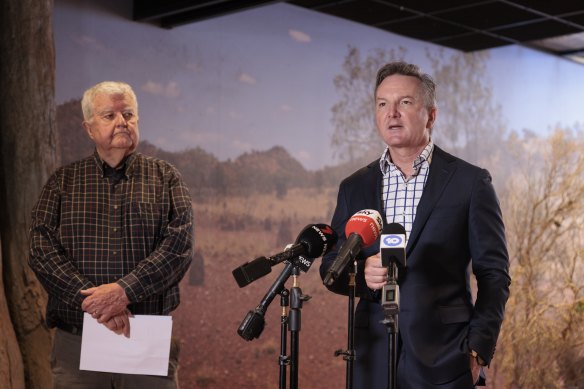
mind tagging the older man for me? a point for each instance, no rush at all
(111, 235)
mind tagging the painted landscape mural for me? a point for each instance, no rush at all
(263, 140)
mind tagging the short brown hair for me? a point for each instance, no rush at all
(407, 69)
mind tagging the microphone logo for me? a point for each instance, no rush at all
(328, 230)
(304, 262)
(393, 241)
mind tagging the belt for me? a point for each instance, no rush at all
(69, 328)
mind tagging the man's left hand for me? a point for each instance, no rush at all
(120, 324)
(476, 363)
(105, 301)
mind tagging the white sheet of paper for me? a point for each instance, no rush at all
(146, 351)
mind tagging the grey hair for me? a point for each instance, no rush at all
(106, 87)
(406, 69)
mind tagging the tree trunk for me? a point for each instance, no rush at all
(28, 154)
(11, 373)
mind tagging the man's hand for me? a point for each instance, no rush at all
(105, 301)
(476, 363)
(120, 324)
(375, 274)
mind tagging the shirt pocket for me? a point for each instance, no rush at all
(145, 221)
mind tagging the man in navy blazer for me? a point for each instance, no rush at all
(452, 219)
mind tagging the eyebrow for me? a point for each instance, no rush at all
(399, 98)
(107, 111)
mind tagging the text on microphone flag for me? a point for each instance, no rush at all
(367, 224)
(393, 241)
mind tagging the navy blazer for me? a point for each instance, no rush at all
(458, 219)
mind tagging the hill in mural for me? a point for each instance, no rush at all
(268, 171)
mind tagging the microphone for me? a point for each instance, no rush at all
(362, 230)
(393, 245)
(251, 271)
(314, 241)
(316, 248)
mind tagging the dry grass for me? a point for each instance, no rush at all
(229, 232)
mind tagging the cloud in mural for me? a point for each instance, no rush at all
(241, 145)
(247, 79)
(189, 139)
(299, 36)
(194, 67)
(197, 137)
(235, 115)
(303, 156)
(89, 41)
(171, 89)
(286, 108)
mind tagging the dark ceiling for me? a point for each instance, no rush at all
(465, 25)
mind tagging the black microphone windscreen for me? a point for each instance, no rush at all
(394, 228)
(251, 271)
(318, 239)
(393, 245)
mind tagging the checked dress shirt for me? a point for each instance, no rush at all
(93, 226)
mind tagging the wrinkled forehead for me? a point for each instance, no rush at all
(113, 102)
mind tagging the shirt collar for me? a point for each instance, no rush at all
(125, 165)
(386, 165)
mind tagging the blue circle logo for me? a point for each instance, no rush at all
(393, 240)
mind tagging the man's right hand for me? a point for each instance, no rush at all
(375, 274)
(105, 301)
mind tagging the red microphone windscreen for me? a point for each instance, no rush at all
(367, 224)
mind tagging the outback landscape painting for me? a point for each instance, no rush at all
(264, 112)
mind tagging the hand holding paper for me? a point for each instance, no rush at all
(146, 351)
(105, 301)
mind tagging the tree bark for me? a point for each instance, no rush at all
(28, 154)
(11, 370)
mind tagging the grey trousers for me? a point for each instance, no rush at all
(65, 358)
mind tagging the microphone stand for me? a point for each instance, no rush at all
(253, 324)
(390, 305)
(296, 300)
(349, 353)
(284, 360)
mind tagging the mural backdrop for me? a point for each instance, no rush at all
(265, 111)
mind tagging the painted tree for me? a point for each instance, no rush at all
(28, 153)
(469, 120)
(355, 134)
(542, 339)
(468, 125)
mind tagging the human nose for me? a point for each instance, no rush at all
(392, 111)
(121, 120)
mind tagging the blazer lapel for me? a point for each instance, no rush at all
(373, 200)
(441, 170)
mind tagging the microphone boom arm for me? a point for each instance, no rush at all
(253, 324)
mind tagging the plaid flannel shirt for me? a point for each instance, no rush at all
(87, 230)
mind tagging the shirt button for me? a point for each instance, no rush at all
(114, 252)
(115, 229)
(115, 207)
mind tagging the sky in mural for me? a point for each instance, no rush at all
(264, 77)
